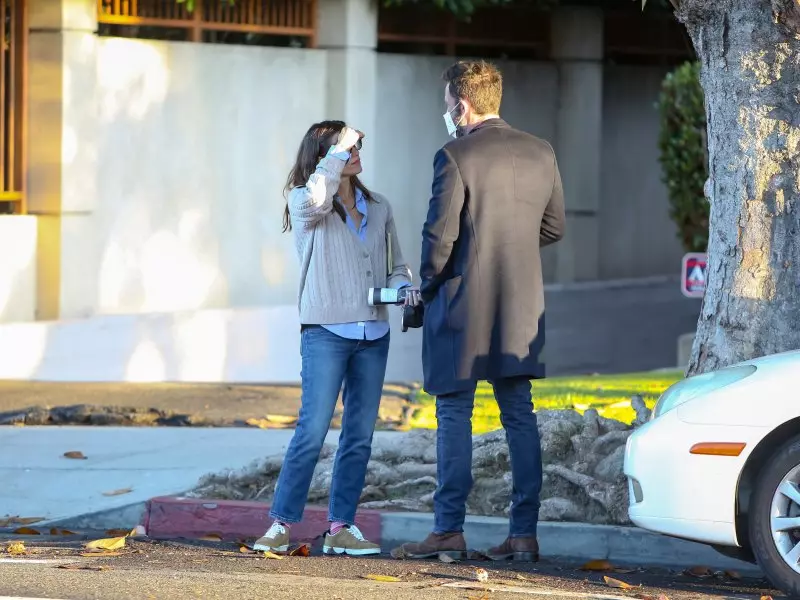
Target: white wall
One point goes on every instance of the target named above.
(17, 268)
(637, 236)
(175, 159)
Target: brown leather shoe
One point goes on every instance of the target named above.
(450, 544)
(516, 548)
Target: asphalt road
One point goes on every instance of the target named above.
(148, 570)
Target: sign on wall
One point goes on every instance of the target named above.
(694, 271)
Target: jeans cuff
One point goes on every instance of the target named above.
(283, 519)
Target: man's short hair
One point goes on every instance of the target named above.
(478, 82)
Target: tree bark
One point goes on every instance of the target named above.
(750, 57)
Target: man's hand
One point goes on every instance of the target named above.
(413, 297)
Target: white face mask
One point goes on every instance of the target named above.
(452, 127)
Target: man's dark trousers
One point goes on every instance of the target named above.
(454, 455)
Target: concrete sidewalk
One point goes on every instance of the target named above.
(39, 482)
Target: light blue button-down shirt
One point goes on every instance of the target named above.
(360, 330)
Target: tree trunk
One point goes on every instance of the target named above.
(750, 58)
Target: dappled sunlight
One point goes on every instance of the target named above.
(146, 364)
(174, 277)
(18, 249)
(132, 76)
(22, 351)
(201, 345)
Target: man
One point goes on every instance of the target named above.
(496, 200)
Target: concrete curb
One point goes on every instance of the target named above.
(192, 518)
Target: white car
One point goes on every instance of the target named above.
(719, 463)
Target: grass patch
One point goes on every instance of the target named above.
(609, 394)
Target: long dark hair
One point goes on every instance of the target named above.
(316, 143)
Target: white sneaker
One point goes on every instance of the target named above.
(275, 540)
(350, 541)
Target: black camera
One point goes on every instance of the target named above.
(413, 316)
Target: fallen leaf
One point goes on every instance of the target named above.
(597, 565)
(117, 532)
(74, 454)
(733, 575)
(244, 549)
(211, 537)
(118, 492)
(523, 578)
(388, 578)
(481, 597)
(649, 597)
(116, 543)
(26, 531)
(481, 574)
(616, 583)
(301, 550)
(102, 554)
(700, 572)
(272, 556)
(84, 567)
(16, 548)
(766, 597)
(446, 558)
(476, 555)
(268, 423)
(398, 553)
(19, 521)
(56, 531)
(282, 419)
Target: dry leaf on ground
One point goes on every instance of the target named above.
(700, 572)
(106, 544)
(301, 550)
(650, 597)
(616, 583)
(481, 575)
(56, 531)
(766, 597)
(211, 537)
(27, 531)
(522, 577)
(476, 555)
(388, 578)
(446, 558)
(244, 549)
(482, 597)
(83, 567)
(118, 532)
(398, 553)
(16, 548)
(8, 521)
(118, 492)
(597, 565)
(735, 575)
(100, 554)
(74, 454)
(269, 423)
(272, 556)
(282, 419)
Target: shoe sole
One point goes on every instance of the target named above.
(350, 551)
(454, 554)
(517, 556)
(261, 548)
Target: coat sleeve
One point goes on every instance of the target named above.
(400, 275)
(554, 218)
(313, 201)
(443, 223)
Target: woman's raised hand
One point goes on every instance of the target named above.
(348, 138)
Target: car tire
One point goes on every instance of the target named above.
(776, 467)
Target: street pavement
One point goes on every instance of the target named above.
(152, 570)
(38, 481)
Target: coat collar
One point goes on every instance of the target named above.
(490, 124)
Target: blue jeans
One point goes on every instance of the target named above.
(454, 456)
(329, 361)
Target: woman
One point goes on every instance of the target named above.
(347, 243)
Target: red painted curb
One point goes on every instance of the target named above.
(170, 517)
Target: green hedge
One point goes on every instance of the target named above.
(684, 158)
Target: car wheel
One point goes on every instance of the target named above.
(775, 518)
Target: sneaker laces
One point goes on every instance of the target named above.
(276, 530)
(356, 533)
